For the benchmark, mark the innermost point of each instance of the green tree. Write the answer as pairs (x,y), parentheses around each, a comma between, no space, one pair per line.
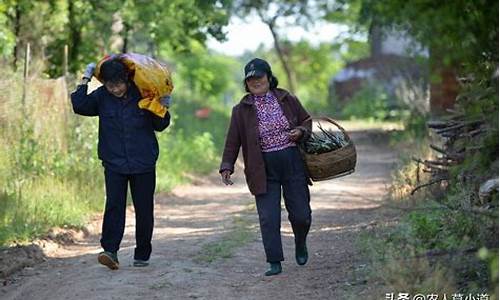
(464,31)
(88,27)
(175,22)
(462,37)
(281,14)
(7,37)
(207,78)
(314,66)
(271,13)
(15,12)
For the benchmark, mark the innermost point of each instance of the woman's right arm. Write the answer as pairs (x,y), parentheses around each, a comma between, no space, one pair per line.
(232,147)
(83,104)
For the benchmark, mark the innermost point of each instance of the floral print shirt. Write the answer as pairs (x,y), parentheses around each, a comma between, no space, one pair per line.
(273,125)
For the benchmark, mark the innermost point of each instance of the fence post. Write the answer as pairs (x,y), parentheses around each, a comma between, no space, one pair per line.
(26,72)
(65,62)
(66,96)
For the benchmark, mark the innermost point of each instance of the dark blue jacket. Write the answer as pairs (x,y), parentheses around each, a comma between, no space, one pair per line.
(127,141)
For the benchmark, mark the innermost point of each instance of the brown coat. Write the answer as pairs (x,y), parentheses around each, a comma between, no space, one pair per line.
(244,132)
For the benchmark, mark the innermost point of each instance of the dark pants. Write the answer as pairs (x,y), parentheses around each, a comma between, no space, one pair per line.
(142,187)
(284,169)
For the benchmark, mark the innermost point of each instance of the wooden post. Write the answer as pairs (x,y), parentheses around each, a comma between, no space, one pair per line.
(65,98)
(65,61)
(26,72)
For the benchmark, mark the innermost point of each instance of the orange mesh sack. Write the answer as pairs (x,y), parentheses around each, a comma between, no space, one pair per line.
(151,77)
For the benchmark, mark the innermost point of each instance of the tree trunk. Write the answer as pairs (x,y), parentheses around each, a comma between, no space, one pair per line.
(75,37)
(126,29)
(17,30)
(282,58)
(152,49)
(445,90)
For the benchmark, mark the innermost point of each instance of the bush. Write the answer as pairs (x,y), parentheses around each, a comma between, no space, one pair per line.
(43,183)
(182,154)
(440,238)
(215,124)
(372,103)
(191,145)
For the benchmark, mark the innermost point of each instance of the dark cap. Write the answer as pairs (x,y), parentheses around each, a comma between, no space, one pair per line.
(257,68)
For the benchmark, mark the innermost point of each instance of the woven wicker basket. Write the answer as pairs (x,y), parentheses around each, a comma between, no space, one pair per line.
(333,164)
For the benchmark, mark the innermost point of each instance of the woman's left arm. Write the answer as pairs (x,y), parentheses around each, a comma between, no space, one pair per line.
(304,120)
(159,123)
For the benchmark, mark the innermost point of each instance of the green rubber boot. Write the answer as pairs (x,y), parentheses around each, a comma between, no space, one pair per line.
(301,255)
(140,263)
(274,269)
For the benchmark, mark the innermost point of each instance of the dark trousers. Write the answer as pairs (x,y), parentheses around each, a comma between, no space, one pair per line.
(142,188)
(284,170)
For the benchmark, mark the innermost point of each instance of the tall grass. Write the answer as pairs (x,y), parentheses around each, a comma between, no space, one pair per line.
(191,145)
(49,175)
(182,154)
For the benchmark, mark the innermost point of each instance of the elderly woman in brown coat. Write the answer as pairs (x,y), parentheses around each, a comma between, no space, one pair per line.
(267,124)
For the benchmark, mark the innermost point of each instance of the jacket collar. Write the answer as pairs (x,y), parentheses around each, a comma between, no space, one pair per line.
(280,94)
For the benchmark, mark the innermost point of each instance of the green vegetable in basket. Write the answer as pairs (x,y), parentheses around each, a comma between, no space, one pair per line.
(324,141)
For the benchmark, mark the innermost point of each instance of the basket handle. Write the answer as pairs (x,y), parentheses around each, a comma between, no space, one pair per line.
(327,119)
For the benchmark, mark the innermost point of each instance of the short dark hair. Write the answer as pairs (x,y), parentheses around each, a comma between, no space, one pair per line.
(114,70)
(273,82)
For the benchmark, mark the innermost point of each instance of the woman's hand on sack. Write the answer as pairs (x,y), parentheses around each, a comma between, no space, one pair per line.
(166,100)
(89,72)
(295,134)
(226,177)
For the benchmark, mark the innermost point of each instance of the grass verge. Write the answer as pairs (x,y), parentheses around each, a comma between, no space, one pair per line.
(241,232)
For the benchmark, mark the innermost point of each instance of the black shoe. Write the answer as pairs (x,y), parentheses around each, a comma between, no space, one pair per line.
(301,255)
(109,259)
(274,269)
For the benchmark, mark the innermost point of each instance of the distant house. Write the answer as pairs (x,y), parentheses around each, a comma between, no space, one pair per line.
(389,65)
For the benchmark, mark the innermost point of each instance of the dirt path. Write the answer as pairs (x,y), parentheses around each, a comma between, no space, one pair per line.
(198,226)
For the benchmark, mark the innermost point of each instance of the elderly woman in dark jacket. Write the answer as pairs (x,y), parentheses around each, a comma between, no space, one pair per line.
(267,124)
(128,150)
